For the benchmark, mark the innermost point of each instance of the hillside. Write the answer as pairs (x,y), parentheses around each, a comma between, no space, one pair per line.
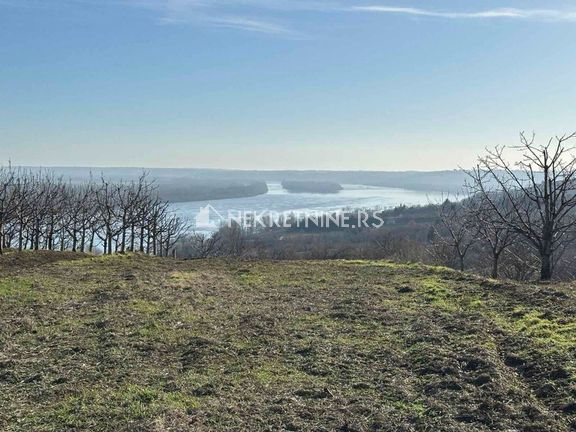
(132,343)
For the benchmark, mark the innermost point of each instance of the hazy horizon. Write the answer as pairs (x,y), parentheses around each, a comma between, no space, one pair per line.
(263,170)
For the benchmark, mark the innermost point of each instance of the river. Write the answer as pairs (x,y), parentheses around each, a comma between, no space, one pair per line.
(279,200)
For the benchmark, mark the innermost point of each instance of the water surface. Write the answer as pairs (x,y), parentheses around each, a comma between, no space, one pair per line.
(280,201)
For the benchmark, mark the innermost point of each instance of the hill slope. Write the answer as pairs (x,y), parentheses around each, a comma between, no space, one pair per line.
(137,343)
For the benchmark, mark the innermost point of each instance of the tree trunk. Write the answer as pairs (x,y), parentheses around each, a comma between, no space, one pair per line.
(50,240)
(20,238)
(123,244)
(142,238)
(36,242)
(495,260)
(83,241)
(132,239)
(546,267)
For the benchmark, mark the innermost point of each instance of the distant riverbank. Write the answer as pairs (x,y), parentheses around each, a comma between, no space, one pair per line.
(187,191)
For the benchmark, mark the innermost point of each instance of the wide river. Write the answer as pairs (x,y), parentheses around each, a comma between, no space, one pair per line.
(280,201)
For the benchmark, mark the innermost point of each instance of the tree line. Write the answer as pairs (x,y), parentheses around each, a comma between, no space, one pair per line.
(39,210)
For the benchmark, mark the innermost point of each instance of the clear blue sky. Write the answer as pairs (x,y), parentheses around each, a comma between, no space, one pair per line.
(326,84)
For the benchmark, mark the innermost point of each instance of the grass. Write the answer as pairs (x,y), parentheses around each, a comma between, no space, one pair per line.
(131,343)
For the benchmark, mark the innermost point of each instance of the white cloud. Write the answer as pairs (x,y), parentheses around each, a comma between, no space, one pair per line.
(538,14)
(261,16)
(242,15)
(276,17)
(233,22)
(250,25)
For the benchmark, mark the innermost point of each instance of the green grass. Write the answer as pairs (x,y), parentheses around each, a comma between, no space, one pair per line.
(130,343)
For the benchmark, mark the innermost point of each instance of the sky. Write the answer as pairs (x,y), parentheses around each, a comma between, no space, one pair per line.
(281,84)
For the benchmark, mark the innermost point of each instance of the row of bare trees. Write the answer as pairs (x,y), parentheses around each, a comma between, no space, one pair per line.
(41,211)
(525,204)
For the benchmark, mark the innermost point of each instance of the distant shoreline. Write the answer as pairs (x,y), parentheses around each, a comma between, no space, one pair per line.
(184,192)
(184,178)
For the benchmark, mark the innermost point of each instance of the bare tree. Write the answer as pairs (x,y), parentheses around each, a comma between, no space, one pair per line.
(456,229)
(233,238)
(41,211)
(206,245)
(496,235)
(7,197)
(539,190)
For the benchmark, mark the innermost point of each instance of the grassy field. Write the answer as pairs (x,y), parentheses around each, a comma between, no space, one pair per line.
(132,343)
